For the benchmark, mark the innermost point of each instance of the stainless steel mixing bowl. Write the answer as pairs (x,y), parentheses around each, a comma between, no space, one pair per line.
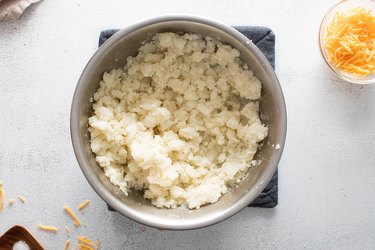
(113,54)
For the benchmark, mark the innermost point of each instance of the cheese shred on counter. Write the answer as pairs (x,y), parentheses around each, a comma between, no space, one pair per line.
(48,228)
(21,198)
(70,212)
(84,204)
(180,121)
(86,243)
(67,243)
(350,41)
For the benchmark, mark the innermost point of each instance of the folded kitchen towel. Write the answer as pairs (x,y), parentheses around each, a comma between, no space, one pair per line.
(264,39)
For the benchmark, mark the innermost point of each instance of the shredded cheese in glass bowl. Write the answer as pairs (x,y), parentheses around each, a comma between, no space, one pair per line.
(347,40)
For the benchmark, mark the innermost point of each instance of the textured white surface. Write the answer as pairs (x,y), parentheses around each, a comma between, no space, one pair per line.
(326,173)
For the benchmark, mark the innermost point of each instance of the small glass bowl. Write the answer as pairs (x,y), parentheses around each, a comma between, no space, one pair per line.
(343,6)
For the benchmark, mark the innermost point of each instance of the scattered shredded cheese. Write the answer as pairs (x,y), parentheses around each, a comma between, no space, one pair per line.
(76,220)
(21,198)
(67,242)
(86,243)
(1,197)
(350,41)
(85,247)
(48,228)
(85,240)
(68,231)
(84,204)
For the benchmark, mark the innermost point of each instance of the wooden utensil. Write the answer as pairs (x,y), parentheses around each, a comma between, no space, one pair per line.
(16,234)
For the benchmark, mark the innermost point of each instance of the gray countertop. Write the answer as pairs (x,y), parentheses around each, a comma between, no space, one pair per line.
(327,171)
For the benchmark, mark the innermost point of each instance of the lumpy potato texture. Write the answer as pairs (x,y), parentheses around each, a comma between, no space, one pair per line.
(180,121)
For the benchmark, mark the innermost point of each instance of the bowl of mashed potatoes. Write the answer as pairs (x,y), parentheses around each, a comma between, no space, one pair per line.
(178,122)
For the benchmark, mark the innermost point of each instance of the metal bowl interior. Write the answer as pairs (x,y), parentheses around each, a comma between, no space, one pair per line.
(113,54)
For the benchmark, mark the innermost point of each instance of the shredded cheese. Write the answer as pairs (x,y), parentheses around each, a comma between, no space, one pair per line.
(84,204)
(85,247)
(86,243)
(350,41)
(85,240)
(48,228)
(68,231)
(11,202)
(1,197)
(67,243)
(76,220)
(21,198)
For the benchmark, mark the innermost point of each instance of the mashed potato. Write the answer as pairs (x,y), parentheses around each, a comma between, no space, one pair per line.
(180,121)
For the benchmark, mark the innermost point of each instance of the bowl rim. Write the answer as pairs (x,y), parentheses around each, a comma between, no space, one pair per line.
(333,68)
(119,206)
